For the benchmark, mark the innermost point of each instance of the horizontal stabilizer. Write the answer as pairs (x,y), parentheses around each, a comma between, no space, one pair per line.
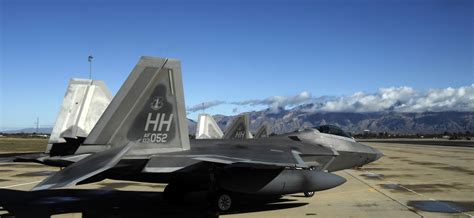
(56,161)
(85,168)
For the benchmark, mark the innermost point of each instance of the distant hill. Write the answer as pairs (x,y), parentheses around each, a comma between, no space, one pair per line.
(285,121)
(30,130)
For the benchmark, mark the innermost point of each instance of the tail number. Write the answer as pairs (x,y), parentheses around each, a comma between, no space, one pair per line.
(154,138)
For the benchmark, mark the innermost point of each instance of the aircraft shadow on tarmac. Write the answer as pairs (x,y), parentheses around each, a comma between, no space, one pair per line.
(114,203)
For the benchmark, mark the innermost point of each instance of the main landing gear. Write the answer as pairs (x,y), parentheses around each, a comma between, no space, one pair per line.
(219,199)
(308,194)
(222,200)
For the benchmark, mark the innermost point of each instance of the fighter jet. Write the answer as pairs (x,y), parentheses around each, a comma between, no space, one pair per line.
(84,102)
(262,131)
(239,129)
(326,135)
(207,128)
(142,136)
(351,153)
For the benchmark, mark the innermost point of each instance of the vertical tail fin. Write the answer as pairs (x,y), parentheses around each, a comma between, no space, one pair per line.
(262,132)
(207,128)
(148,110)
(83,104)
(239,129)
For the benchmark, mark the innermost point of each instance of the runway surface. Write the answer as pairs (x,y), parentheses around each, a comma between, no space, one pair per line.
(441,142)
(410,181)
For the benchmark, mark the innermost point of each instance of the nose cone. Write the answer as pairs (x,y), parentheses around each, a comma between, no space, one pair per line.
(378,154)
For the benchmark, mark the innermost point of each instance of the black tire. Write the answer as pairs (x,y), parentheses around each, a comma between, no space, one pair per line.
(223,201)
(308,194)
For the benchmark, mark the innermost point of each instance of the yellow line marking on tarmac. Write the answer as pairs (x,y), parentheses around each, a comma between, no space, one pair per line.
(28,183)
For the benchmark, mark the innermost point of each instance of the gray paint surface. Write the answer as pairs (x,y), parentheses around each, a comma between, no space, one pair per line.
(239,129)
(83,103)
(262,132)
(148,110)
(207,128)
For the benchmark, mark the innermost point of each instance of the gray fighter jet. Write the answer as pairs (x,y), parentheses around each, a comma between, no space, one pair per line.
(207,128)
(142,136)
(84,102)
(327,135)
(239,129)
(262,131)
(351,153)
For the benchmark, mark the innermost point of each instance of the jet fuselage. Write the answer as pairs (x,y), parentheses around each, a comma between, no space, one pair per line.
(351,153)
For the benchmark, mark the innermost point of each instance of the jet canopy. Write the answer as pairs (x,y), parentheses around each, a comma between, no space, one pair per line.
(333,130)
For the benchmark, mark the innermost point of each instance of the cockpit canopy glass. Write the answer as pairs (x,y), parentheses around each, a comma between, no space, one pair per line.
(333,130)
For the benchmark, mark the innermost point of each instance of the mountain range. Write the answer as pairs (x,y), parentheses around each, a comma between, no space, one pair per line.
(283,121)
(288,120)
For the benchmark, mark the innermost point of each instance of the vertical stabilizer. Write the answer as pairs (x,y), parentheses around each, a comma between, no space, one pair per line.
(207,128)
(239,129)
(83,104)
(148,111)
(262,132)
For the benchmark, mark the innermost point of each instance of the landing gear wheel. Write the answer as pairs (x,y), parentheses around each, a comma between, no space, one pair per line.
(223,201)
(308,194)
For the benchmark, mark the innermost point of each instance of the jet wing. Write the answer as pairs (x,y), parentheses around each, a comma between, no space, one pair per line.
(85,168)
(260,158)
(56,161)
(296,161)
(168,164)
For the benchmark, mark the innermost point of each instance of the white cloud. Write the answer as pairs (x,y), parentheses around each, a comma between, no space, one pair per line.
(276,102)
(399,99)
(404,99)
(204,105)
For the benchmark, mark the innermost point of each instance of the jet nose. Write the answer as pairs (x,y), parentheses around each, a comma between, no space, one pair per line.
(378,154)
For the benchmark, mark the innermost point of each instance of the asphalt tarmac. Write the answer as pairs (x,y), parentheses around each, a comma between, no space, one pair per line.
(409,181)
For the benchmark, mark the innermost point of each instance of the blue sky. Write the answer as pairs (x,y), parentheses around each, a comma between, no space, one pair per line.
(232,50)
